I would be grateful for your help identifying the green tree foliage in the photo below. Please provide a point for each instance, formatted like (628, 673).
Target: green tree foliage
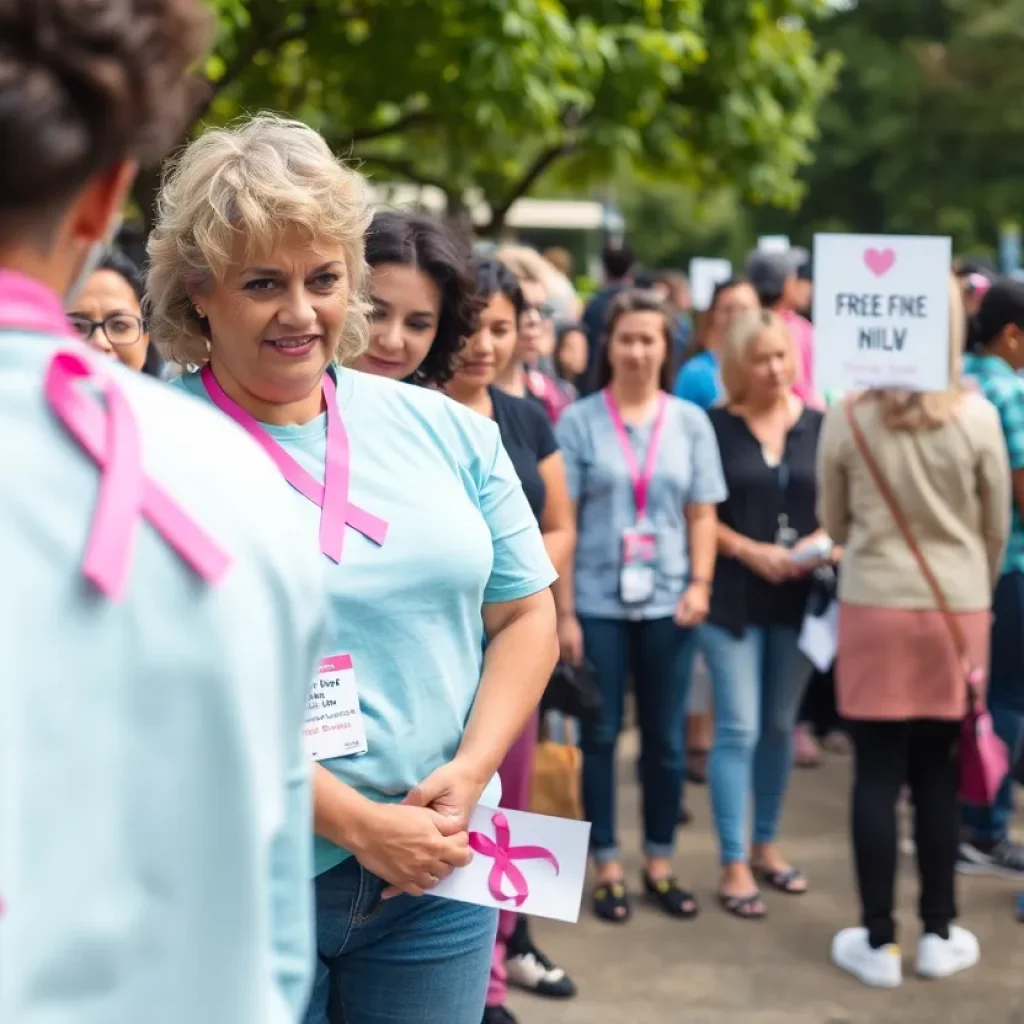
(490, 95)
(926, 130)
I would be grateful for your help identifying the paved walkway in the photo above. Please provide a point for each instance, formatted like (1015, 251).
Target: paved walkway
(717, 970)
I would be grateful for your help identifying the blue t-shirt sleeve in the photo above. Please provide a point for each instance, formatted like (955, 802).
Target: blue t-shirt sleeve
(696, 383)
(1011, 414)
(521, 565)
(708, 486)
(569, 435)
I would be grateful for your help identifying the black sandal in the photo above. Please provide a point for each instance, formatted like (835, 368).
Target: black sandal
(697, 766)
(675, 901)
(611, 903)
(787, 881)
(747, 908)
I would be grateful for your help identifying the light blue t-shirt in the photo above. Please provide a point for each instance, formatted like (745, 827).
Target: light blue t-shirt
(688, 471)
(154, 790)
(461, 534)
(699, 380)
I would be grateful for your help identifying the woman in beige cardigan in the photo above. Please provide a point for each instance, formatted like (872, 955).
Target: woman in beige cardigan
(900, 682)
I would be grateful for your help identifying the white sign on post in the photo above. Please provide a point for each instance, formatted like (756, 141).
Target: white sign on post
(881, 312)
(705, 274)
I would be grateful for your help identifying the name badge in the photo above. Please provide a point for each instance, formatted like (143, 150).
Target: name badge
(637, 573)
(334, 724)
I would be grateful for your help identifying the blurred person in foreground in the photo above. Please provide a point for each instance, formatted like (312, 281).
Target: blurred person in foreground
(618, 262)
(154, 790)
(936, 461)
(776, 277)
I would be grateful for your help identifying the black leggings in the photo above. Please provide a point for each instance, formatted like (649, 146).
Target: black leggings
(890, 755)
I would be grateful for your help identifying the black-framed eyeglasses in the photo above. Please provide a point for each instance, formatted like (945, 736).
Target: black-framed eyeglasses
(120, 329)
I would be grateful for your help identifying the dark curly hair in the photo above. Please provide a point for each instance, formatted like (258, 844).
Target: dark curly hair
(492, 277)
(84, 85)
(416, 240)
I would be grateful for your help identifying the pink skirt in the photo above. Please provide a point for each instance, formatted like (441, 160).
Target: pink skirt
(894, 664)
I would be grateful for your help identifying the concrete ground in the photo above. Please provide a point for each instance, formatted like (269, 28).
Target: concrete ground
(718, 970)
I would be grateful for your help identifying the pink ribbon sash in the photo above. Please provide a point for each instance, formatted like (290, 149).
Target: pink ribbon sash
(336, 511)
(110, 435)
(504, 857)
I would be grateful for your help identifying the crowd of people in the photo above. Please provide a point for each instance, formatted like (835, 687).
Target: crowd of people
(361, 448)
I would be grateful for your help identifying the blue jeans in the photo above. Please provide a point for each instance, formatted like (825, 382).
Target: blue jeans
(658, 655)
(1005, 702)
(757, 681)
(405, 960)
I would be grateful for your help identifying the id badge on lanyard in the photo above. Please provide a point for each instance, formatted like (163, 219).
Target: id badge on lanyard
(638, 558)
(334, 723)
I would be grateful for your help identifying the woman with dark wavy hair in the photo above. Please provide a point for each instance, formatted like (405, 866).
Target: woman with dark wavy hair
(424, 298)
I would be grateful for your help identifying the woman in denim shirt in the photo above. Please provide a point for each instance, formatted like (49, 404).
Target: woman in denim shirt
(644, 561)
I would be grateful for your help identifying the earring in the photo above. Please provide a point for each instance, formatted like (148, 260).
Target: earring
(200, 313)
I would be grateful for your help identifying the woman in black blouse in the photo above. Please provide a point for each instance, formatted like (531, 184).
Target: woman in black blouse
(767, 440)
(530, 443)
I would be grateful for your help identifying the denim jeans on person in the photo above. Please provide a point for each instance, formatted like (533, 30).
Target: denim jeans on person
(1005, 701)
(757, 683)
(658, 655)
(404, 960)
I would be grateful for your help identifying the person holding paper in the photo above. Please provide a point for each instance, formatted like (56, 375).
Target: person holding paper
(917, 487)
(767, 439)
(258, 276)
(645, 477)
(530, 443)
(160, 627)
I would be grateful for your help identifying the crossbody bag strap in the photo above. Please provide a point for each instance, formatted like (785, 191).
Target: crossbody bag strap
(952, 624)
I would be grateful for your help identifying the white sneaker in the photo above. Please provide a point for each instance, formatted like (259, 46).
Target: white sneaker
(879, 968)
(939, 958)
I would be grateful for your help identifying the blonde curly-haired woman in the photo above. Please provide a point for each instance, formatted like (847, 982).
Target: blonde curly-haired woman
(257, 276)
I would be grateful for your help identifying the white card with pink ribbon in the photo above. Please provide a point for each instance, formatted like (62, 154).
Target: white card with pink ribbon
(531, 863)
(881, 312)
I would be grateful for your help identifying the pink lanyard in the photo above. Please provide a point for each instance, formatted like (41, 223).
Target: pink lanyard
(110, 435)
(337, 511)
(641, 480)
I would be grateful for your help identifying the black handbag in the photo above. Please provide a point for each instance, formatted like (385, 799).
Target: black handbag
(572, 691)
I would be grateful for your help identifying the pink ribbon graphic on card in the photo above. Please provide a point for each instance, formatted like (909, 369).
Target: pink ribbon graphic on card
(879, 261)
(336, 511)
(111, 437)
(504, 856)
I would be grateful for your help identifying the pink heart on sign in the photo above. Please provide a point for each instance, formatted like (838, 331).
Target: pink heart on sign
(879, 261)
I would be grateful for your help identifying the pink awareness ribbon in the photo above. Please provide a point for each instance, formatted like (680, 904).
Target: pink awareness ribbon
(336, 511)
(111, 437)
(504, 856)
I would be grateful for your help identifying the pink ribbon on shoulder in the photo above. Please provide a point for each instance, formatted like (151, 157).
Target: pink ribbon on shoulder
(111, 437)
(504, 856)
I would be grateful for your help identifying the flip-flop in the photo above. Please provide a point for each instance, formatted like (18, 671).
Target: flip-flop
(783, 881)
(746, 908)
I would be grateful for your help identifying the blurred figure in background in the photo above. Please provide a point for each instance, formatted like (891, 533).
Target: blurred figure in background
(937, 462)
(618, 261)
(570, 359)
(676, 288)
(699, 379)
(108, 316)
(775, 276)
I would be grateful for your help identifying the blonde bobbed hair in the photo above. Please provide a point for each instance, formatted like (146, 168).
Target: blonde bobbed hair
(928, 410)
(255, 179)
(739, 339)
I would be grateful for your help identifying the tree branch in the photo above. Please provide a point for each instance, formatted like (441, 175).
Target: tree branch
(404, 168)
(408, 121)
(529, 178)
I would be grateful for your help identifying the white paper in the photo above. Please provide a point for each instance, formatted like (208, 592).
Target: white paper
(773, 243)
(819, 637)
(705, 273)
(334, 724)
(550, 895)
(881, 312)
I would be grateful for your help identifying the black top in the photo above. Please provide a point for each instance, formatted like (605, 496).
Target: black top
(528, 439)
(758, 495)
